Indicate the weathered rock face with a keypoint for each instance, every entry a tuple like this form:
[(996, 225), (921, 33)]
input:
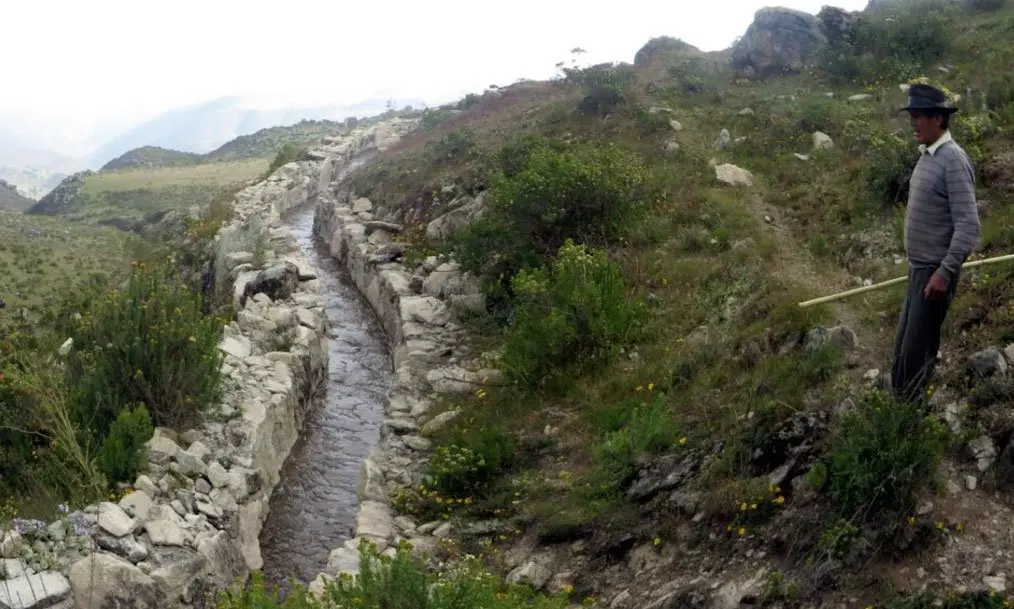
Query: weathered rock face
[(779, 41)]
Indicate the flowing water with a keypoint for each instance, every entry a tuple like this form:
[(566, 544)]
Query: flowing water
[(313, 508)]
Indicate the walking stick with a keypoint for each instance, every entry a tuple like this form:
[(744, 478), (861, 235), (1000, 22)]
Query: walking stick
[(896, 280)]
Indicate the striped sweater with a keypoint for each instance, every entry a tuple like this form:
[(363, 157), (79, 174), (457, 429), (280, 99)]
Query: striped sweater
[(942, 221)]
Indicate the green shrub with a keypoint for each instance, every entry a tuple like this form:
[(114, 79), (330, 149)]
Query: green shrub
[(399, 582), (149, 344), (455, 144), (579, 309), (605, 86), (901, 40), (121, 457), (891, 161), (432, 117), (883, 453), (589, 194), (649, 429), (288, 153), (468, 465)]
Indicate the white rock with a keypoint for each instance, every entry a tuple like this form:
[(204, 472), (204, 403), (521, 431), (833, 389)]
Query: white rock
[(374, 519), (801, 157), (65, 348), (217, 475), (425, 310), (531, 573), (145, 485), (362, 204), (30, 591), (723, 141), (164, 527), (822, 141), (137, 504), (236, 346), (733, 175), (996, 583), (971, 482), (443, 531), (676, 125), (417, 443), (440, 421), (190, 464), (113, 520), (103, 581), (860, 97)]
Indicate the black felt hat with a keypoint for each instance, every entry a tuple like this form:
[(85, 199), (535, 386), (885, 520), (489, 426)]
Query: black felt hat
[(927, 98)]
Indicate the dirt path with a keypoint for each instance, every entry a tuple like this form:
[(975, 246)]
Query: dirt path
[(794, 265)]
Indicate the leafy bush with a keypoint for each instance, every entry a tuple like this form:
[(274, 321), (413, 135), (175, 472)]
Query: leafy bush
[(576, 310), (399, 582), (287, 154), (901, 42), (149, 344), (649, 429), (121, 457), (466, 467), (454, 145), (432, 117), (891, 161), (589, 194), (882, 454), (605, 87)]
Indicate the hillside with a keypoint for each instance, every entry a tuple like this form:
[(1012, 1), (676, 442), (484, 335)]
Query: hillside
[(150, 157), (11, 199), (43, 260), (134, 197), (710, 442)]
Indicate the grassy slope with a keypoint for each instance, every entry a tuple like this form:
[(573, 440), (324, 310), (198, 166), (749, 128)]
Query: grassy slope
[(132, 194), (42, 258), (737, 261)]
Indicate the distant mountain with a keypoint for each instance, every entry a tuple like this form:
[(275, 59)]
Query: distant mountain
[(204, 127), (32, 182), (152, 156), (11, 200)]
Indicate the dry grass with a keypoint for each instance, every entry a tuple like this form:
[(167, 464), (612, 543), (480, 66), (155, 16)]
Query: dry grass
[(209, 174)]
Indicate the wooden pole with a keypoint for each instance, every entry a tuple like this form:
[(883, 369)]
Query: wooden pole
[(895, 281)]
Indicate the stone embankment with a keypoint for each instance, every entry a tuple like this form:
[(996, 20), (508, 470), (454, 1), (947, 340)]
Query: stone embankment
[(432, 364), (191, 523)]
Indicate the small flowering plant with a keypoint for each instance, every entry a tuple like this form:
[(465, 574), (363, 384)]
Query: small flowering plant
[(754, 510)]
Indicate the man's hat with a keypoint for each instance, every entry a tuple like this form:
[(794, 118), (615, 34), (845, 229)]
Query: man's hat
[(927, 98)]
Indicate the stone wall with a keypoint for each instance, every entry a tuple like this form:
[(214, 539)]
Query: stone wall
[(192, 523), (417, 307)]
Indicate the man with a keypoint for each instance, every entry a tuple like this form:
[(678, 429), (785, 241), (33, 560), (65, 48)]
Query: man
[(941, 230)]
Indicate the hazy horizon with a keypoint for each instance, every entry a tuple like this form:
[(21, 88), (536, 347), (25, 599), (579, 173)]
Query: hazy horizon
[(108, 65)]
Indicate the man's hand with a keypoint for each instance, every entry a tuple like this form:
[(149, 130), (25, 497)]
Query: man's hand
[(936, 288)]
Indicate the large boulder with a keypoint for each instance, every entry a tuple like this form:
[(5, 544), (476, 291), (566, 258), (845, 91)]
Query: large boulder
[(468, 210), (660, 46), (102, 581), (779, 41), (278, 282), (35, 591)]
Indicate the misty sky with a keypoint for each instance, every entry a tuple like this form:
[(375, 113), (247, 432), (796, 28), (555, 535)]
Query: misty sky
[(77, 66)]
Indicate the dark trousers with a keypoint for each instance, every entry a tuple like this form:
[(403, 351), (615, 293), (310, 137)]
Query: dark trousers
[(918, 338)]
